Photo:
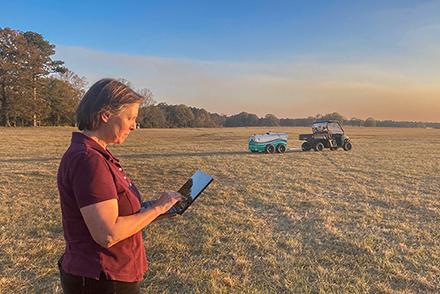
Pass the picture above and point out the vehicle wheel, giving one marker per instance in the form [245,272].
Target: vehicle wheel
[319,147]
[305,146]
[281,148]
[347,146]
[269,148]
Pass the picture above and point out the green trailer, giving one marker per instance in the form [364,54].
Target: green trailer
[268,143]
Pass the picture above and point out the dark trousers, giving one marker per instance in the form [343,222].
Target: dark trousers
[72,284]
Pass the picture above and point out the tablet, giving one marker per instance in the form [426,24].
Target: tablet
[190,191]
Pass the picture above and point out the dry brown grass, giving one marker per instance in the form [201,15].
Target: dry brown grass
[361,221]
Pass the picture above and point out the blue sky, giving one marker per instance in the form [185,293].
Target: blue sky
[290,58]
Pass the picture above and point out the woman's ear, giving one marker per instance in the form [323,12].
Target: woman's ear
[105,116]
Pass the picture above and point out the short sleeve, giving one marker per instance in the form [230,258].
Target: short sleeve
[92,180]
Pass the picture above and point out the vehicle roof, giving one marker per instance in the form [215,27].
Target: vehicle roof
[325,121]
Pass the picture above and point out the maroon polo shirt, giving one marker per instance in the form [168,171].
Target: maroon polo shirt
[90,174]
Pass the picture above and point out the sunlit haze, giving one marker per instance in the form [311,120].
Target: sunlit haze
[289,58]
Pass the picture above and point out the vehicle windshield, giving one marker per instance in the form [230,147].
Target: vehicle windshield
[335,128]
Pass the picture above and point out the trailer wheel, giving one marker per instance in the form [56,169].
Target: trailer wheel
[269,148]
[319,147]
[347,146]
[281,148]
[305,146]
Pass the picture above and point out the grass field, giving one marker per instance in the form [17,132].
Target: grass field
[367,220]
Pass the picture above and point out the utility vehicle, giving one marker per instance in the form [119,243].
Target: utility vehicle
[326,134]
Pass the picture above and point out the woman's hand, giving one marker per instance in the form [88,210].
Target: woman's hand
[167,200]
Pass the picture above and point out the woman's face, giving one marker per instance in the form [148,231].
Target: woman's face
[119,125]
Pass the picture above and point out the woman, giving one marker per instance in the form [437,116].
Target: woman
[101,209]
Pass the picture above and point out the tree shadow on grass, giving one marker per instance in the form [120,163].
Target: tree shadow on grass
[29,160]
[197,154]
[153,155]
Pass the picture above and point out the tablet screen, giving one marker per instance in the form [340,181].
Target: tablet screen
[192,189]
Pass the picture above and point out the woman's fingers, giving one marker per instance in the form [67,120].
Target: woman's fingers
[168,199]
[177,196]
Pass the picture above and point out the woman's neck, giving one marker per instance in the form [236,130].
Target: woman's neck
[96,137]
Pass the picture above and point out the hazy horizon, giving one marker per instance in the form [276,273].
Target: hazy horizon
[374,95]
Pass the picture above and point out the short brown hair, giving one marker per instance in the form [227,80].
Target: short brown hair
[104,95]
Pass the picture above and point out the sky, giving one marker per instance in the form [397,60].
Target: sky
[377,59]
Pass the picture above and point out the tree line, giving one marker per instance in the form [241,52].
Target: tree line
[163,115]
[37,90]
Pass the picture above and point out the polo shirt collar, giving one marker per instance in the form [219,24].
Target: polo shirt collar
[80,138]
